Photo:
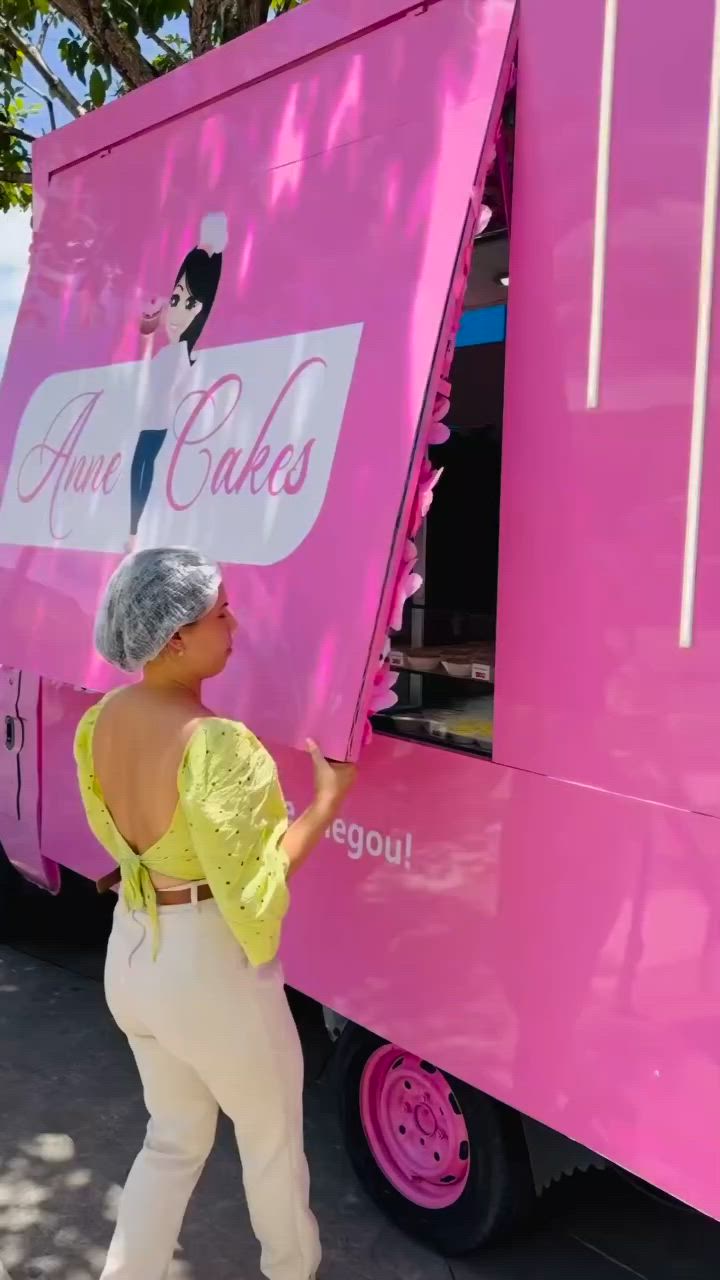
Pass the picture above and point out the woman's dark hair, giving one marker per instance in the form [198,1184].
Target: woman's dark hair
[202,277]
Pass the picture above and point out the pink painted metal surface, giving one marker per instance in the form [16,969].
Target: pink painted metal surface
[592,683]
[222,72]
[20,777]
[552,944]
[65,833]
[578,933]
[285,440]
[414,1127]
[576,926]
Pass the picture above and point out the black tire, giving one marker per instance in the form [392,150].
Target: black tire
[499,1195]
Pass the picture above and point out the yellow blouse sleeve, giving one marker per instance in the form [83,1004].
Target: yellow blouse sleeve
[237,816]
[95,811]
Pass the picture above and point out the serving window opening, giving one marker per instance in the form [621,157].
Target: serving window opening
[445,652]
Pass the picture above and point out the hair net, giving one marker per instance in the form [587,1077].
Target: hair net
[149,598]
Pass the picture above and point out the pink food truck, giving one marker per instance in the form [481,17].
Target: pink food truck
[304,304]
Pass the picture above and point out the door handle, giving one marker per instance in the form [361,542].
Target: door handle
[14,734]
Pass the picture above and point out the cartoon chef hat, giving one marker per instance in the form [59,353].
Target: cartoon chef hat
[213,233]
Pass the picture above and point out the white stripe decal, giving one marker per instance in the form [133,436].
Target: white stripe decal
[602,188]
[702,348]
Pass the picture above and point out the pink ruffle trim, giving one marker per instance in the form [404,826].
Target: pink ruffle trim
[409,581]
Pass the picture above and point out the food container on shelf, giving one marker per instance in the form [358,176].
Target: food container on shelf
[420,664]
[438,728]
[460,670]
[472,722]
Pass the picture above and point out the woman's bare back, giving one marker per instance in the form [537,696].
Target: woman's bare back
[139,741]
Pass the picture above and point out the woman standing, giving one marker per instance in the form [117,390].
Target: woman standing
[190,808]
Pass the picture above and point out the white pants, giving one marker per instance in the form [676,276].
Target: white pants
[208,1031]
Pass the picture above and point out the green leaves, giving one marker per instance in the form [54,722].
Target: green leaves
[15,113]
[75,54]
[81,56]
[98,88]
[284,6]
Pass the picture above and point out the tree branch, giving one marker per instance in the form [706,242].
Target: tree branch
[7,131]
[163,44]
[116,46]
[44,32]
[240,16]
[203,17]
[46,99]
[15,178]
[36,60]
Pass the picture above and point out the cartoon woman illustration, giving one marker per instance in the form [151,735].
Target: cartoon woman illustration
[184,316]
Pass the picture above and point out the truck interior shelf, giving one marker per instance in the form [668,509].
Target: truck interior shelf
[455,662]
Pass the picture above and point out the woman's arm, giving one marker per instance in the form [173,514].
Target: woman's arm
[332,783]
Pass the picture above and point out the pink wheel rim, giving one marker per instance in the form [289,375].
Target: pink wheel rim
[414,1128]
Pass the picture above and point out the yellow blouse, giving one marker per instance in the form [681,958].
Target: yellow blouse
[227,829]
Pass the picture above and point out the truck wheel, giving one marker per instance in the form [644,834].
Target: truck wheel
[447,1164]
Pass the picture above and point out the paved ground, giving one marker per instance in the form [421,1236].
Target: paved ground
[72,1120]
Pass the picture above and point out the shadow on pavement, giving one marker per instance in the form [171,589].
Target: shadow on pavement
[72,1120]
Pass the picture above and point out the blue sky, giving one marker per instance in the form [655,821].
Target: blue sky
[14,248]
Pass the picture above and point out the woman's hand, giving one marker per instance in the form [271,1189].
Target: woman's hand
[332,780]
[332,783]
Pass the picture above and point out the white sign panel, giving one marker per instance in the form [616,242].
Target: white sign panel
[231,453]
